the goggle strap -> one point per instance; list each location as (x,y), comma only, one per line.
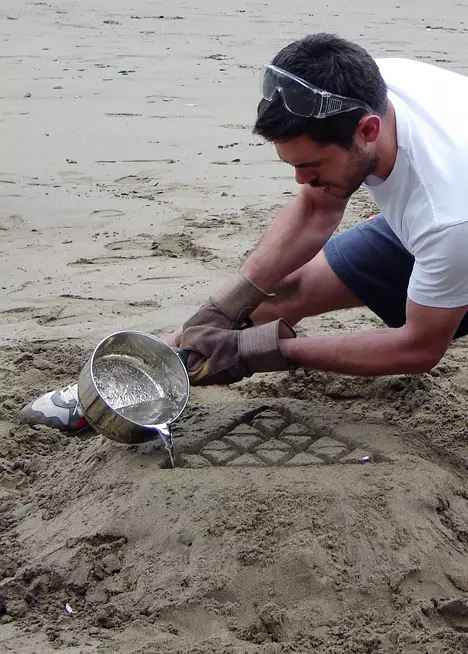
(333,105)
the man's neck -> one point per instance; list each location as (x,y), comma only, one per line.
(387,145)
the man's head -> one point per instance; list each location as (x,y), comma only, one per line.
(337,152)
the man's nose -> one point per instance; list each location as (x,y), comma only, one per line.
(304,176)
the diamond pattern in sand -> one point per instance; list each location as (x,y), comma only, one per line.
(269,439)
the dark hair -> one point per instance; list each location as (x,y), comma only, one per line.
(332,64)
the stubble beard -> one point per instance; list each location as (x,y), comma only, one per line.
(360,166)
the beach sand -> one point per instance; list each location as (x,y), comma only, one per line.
(308,512)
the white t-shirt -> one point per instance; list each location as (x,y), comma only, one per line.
(425,198)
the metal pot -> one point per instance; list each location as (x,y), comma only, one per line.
(133,387)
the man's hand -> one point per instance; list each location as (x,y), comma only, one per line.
(229,308)
(223,356)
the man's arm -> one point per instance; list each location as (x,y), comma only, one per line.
(296,235)
(414,348)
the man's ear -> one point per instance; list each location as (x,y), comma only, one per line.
(368,129)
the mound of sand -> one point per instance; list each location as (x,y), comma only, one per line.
(105,548)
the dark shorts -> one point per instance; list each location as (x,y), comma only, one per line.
(372,262)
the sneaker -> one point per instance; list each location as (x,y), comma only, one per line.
(58,409)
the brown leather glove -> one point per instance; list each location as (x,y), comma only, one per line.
(230,307)
(222,356)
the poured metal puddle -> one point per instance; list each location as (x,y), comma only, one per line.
(131,391)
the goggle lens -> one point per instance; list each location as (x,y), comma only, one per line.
(301,98)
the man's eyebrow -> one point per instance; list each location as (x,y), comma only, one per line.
(305,164)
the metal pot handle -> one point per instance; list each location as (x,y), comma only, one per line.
(184,356)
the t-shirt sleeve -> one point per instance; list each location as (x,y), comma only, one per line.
(440,272)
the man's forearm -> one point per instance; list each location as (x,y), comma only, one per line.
(296,235)
(377,352)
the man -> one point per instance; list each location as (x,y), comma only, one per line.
(341,120)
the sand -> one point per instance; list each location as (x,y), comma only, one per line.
(308,512)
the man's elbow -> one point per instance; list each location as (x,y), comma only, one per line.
(424,360)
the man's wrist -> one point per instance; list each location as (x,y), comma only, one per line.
(256,287)
(259,346)
(238,298)
(264,280)
(288,348)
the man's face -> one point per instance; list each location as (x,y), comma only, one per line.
(332,168)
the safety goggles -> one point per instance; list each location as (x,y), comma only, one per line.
(304,99)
